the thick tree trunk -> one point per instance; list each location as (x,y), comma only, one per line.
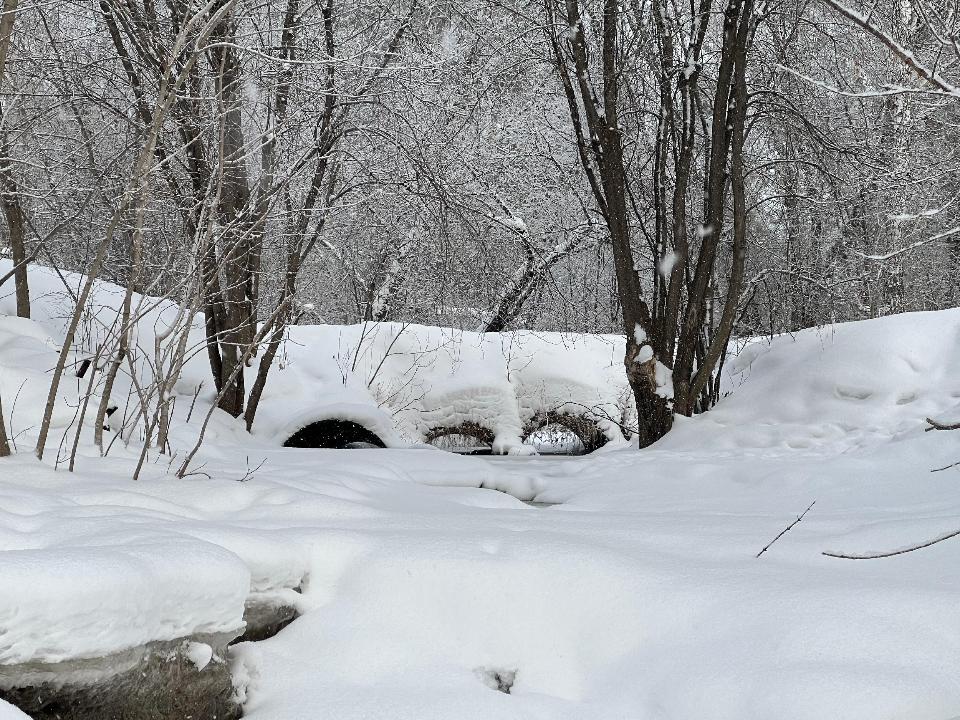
(234,211)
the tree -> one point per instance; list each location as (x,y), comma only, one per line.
(10,196)
(675,344)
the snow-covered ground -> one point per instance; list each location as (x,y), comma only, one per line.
(427,581)
(399,380)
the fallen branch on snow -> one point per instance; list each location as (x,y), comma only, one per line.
(934,425)
(902,551)
(786,529)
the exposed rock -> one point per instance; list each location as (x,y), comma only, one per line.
(156,681)
(266,614)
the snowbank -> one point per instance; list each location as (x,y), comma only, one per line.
(845,385)
(425,378)
(400,381)
(27,355)
(639,595)
(66,614)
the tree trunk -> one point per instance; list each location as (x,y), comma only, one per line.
(9,190)
(234,213)
(13,211)
(4,443)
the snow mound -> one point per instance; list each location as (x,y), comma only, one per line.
(846,385)
(63,612)
(27,354)
(426,379)
(403,382)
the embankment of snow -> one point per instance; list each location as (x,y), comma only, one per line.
(400,380)
(843,386)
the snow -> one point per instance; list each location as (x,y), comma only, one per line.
(424,576)
(669,261)
(511,222)
(842,386)
(102,590)
(399,380)
(27,354)
(663,376)
(9,712)
(200,654)
(644,355)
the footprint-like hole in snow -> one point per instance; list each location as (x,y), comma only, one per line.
(906,398)
(849,392)
(499,679)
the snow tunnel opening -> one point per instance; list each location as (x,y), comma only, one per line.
(560,433)
(555,439)
(335,434)
(465,439)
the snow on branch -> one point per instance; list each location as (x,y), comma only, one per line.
(906,56)
(913,246)
(892,553)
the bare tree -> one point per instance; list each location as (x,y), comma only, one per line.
(674,342)
(10,196)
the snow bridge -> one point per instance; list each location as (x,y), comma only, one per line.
(398,385)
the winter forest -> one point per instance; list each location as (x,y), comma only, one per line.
(479,359)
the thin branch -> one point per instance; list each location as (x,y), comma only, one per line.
(934,425)
(902,551)
(905,56)
(786,529)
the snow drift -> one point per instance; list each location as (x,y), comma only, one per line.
(400,381)
(638,595)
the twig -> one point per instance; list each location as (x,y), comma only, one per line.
(248,475)
(874,556)
(196,393)
(946,467)
(786,529)
(13,270)
(934,425)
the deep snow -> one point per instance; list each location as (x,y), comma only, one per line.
(637,596)
(399,380)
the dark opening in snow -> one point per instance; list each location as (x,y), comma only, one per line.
(559,433)
(555,439)
(336,434)
(468,438)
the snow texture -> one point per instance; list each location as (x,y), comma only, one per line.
(398,380)
(9,712)
(200,654)
(635,593)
